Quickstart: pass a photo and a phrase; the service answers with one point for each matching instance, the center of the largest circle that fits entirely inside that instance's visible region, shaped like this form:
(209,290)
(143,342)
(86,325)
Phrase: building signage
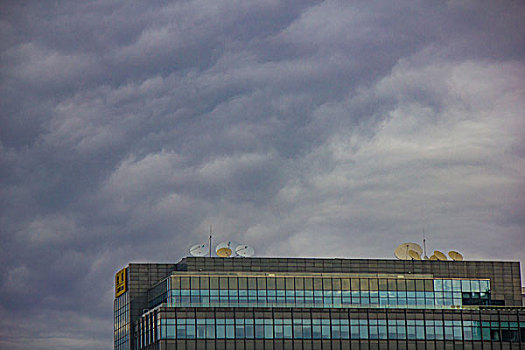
(120,283)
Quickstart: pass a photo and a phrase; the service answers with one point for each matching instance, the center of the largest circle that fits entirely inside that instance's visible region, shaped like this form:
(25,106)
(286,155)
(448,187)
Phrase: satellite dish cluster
(413,251)
(224,250)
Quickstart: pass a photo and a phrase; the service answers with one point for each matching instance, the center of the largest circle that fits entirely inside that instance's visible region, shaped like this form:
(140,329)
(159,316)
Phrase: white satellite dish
(414,255)
(402,251)
(245,251)
(226,249)
(199,249)
(439,255)
(456,256)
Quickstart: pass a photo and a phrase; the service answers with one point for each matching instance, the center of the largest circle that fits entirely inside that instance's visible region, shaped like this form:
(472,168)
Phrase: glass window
(181,329)
(268,329)
(308,284)
(345,329)
(465,286)
(484,286)
(194,282)
(458,335)
(345,284)
(401,331)
(374,331)
(175,282)
(431,335)
(373,284)
(392,285)
(278,329)
(239,329)
(476,333)
(249,329)
(230,329)
(201,329)
(354,331)
(261,283)
(232,282)
(401,285)
(363,331)
(449,333)
(297,329)
(392,329)
(411,285)
(336,329)
(420,332)
(383,284)
(475,286)
(420,285)
(290,296)
(438,328)
(190,328)
(467,333)
(336,284)
(411,332)
(169,331)
(252,296)
(287,329)
(316,329)
(261,297)
(354,284)
(221,330)
(259,329)
(429,286)
(327,284)
(447,285)
(318,284)
(438,285)
(325,329)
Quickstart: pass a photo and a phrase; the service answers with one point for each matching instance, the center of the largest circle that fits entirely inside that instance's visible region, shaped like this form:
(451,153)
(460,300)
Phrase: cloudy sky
(302,128)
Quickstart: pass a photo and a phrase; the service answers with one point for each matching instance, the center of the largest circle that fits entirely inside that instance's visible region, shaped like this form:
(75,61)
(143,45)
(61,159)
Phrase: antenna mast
(424,243)
(424,236)
(210,241)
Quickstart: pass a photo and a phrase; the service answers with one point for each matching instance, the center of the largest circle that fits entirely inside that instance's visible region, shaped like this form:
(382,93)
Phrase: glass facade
(288,303)
(249,328)
(320,292)
(121,325)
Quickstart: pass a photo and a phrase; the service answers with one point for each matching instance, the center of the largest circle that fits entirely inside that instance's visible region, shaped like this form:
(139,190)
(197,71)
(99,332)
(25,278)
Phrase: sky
(302,128)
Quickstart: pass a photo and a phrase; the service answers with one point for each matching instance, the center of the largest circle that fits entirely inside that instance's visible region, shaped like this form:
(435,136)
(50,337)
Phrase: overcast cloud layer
(302,128)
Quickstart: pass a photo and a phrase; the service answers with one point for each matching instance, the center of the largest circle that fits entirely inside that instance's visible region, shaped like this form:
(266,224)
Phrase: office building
(296,303)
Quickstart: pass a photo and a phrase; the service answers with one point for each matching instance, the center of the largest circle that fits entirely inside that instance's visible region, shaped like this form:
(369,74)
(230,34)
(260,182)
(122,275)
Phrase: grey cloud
(303,128)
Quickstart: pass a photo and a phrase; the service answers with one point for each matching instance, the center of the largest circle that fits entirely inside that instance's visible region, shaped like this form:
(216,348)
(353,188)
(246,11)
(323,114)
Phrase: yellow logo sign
(120,283)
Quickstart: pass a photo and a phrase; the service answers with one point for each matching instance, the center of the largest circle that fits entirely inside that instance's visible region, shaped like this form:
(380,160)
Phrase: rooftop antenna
(424,244)
(210,241)
(424,237)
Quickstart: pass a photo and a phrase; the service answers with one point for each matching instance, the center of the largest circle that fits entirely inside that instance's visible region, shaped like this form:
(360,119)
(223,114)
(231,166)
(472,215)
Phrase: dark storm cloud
(302,128)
